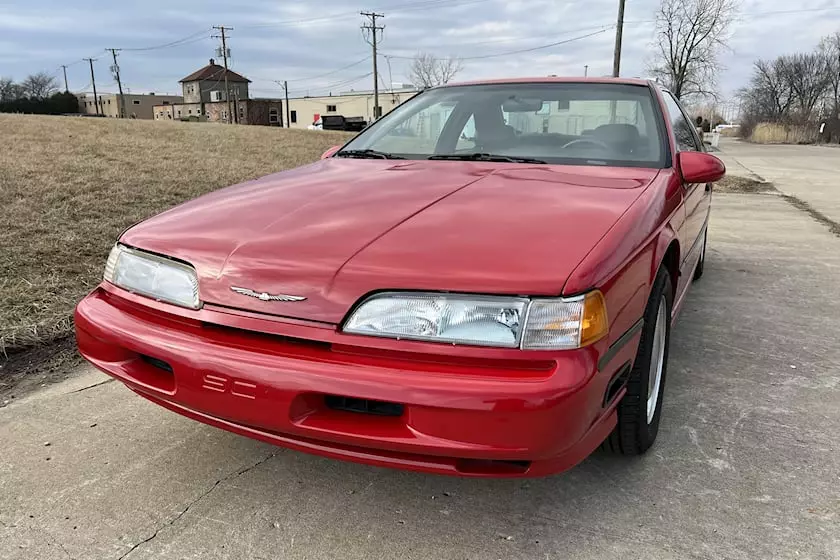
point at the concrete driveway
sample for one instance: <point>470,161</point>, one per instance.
<point>810,173</point>
<point>747,464</point>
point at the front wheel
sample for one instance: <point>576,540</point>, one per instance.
<point>641,408</point>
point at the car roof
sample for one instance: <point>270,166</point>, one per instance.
<point>555,80</point>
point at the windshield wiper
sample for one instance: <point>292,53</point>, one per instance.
<point>367,154</point>
<point>480,156</point>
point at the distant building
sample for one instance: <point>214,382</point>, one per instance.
<point>137,106</point>
<point>205,100</point>
<point>304,111</point>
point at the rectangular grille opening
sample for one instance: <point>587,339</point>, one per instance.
<point>160,364</point>
<point>363,406</point>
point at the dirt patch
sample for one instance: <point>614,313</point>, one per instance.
<point>832,226</point>
<point>24,372</point>
<point>744,185</point>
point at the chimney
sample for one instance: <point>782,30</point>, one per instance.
<point>212,62</point>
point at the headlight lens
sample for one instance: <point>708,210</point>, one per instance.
<point>153,276</point>
<point>506,322</point>
<point>488,321</point>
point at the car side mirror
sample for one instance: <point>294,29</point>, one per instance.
<point>330,152</point>
<point>700,167</point>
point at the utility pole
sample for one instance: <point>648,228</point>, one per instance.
<point>373,28</point>
<point>585,70</point>
<point>66,87</point>
<point>93,83</point>
<point>223,37</point>
<point>288,112</point>
<point>285,85</point>
<point>619,30</point>
<point>116,70</point>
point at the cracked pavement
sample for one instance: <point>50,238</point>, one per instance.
<point>747,464</point>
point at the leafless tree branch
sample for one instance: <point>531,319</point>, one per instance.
<point>689,37</point>
<point>429,71</point>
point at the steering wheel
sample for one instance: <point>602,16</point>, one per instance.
<point>584,141</point>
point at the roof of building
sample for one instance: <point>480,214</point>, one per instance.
<point>214,72</point>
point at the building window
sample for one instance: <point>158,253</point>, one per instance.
<point>331,108</point>
<point>136,101</point>
<point>166,102</point>
<point>179,112</point>
<point>189,112</point>
<point>293,116</point>
<point>109,102</point>
<point>273,116</point>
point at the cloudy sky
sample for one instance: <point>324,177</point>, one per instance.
<point>319,47</point>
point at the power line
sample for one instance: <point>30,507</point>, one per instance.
<point>144,52</point>
<point>519,51</point>
<point>408,6</point>
<point>365,59</point>
<point>176,43</point>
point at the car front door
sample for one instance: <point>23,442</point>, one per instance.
<point>698,197</point>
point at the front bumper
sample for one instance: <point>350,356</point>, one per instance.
<point>464,411</point>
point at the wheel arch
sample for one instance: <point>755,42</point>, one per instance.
<point>667,254</point>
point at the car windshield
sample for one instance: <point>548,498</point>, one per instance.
<point>582,123</point>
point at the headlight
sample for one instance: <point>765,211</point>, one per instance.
<point>153,276</point>
<point>507,322</point>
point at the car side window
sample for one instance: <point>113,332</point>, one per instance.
<point>466,140</point>
<point>683,129</point>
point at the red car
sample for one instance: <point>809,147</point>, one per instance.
<point>482,283</point>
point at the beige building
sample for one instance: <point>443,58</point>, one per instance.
<point>137,106</point>
<point>304,111</point>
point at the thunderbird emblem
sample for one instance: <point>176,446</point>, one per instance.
<point>265,296</point>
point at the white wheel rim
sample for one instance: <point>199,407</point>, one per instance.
<point>657,361</point>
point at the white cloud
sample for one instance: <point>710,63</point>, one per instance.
<point>297,39</point>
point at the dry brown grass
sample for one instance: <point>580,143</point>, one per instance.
<point>69,186</point>
<point>771,133</point>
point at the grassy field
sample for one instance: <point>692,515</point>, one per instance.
<point>69,186</point>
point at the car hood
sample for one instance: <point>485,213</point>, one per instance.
<point>338,229</point>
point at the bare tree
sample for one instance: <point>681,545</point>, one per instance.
<point>830,49</point>
<point>429,71</point>
<point>808,79</point>
<point>689,37</point>
<point>9,90</point>
<point>769,95</point>
<point>39,86</point>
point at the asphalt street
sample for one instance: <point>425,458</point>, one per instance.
<point>747,464</point>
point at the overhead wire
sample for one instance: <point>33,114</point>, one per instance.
<point>519,51</point>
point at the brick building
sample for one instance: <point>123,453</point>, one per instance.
<point>205,100</point>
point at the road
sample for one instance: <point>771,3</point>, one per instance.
<point>810,173</point>
<point>747,464</point>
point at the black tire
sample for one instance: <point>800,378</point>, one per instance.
<point>634,434</point>
<point>698,271</point>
